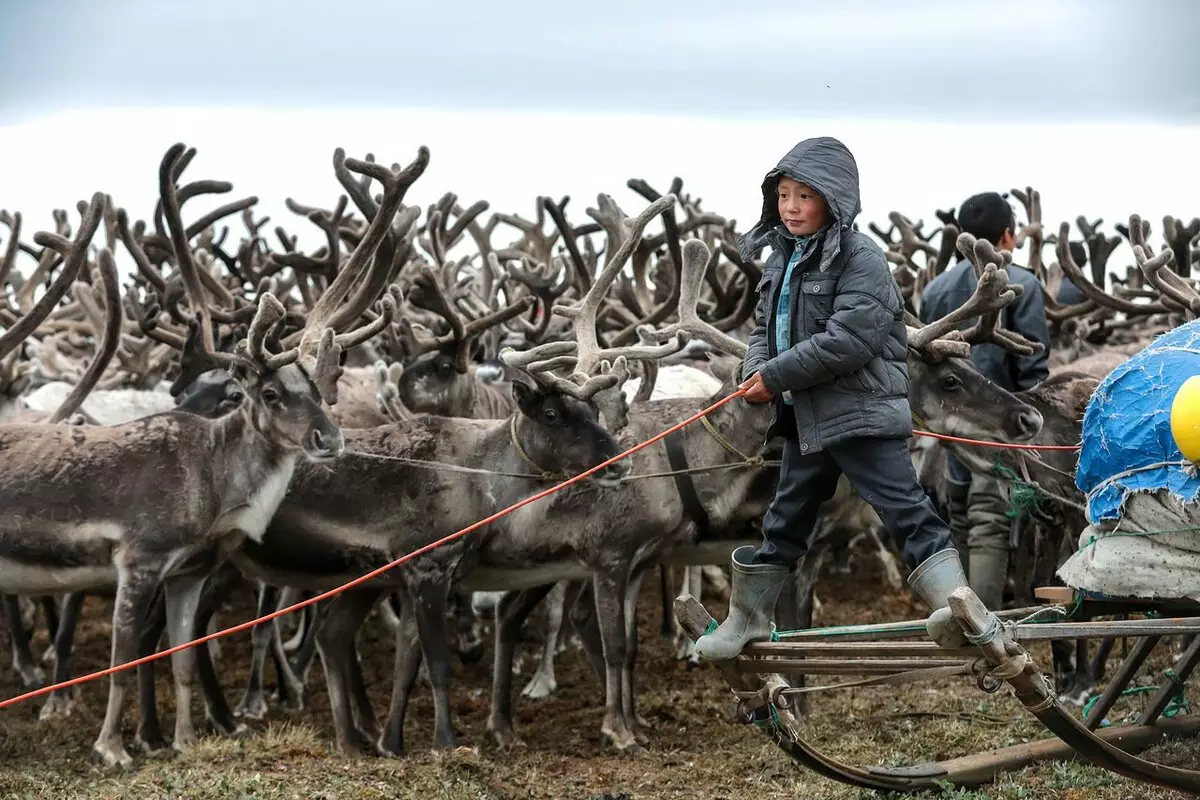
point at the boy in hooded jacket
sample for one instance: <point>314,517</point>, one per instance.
<point>829,350</point>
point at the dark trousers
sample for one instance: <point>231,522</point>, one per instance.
<point>879,470</point>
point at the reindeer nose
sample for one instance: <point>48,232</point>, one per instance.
<point>1029,423</point>
<point>619,469</point>
<point>325,444</point>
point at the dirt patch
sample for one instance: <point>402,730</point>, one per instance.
<point>696,749</point>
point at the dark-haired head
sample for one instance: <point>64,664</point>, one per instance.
<point>989,216</point>
<point>1078,253</point>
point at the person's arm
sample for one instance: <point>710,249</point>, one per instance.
<point>1029,320</point>
<point>756,348</point>
<point>864,310</point>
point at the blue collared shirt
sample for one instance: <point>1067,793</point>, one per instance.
<point>783,328</point>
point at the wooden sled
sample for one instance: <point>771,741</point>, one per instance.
<point>900,652</point>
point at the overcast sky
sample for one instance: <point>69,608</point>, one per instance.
<point>1094,102</point>
<point>1021,60</point>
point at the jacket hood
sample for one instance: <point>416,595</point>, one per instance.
<point>825,164</point>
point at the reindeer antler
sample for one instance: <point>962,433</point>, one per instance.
<point>583,314</point>
<point>1032,230</point>
<point>695,262</point>
<point>427,293</point>
<point>1166,281</point>
<point>942,338</point>
<point>74,255</point>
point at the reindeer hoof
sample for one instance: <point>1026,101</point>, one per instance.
<point>58,704</point>
<point>504,737</point>
<point>357,743</point>
<point>624,742</point>
<point>253,706</point>
<point>150,741</point>
<point>237,730</point>
<point>184,741</point>
<point>386,749</point>
<point>32,677</point>
<point>112,753</point>
<point>293,701</point>
<point>539,687</point>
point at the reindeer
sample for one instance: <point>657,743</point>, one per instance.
<point>106,525</point>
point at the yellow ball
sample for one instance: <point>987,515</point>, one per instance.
<point>1185,418</point>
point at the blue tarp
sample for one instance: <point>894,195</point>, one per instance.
<point>1127,426</point>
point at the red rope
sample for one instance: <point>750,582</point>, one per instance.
<point>445,540</point>
<point>980,443</point>
<point>374,573</point>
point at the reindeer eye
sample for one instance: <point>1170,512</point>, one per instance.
<point>270,395</point>
<point>235,397</point>
<point>951,383</point>
<point>550,415</point>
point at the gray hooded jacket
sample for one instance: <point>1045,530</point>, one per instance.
<point>848,368</point>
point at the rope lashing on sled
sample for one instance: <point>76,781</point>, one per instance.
<point>1119,534</point>
<point>375,572</point>
<point>1177,705</point>
<point>1024,499</point>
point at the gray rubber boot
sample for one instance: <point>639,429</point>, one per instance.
<point>989,575</point>
<point>755,588</point>
<point>933,580</point>
<point>959,510</point>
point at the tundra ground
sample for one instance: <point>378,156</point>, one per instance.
<point>696,750</point>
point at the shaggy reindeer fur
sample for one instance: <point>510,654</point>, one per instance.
<point>338,524</point>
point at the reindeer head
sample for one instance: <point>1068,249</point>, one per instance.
<point>437,377</point>
<point>213,394</point>
<point>557,424</point>
<point>946,392</point>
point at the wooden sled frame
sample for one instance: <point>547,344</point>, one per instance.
<point>900,652</point>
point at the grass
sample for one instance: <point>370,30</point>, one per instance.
<point>696,750</point>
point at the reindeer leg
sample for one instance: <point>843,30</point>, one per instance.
<point>693,584</point>
<point>49,604</point>
<point>470,637</point>
<point>669,628</point>
<point>60,701</point>
<point>216,707</point>
<point>334,635</point>
<point>135,588</point>
<point>610,587</point>
<point>183,604</point>
<point>291,596</point>
<point>404,678</point>
<point>254,704</point>
<point>514,608</point>
<point>635,723</point>
<point>149,733</point>
<point>583,620</point>
<point>356,686</point>
<point>429,599</point>
<point>24,663</point>
<point>289,690</point>
<point>543,682</point>
<point>303,655</point>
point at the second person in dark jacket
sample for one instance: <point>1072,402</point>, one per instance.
<point>979,504</point>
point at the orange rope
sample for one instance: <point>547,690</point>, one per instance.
<point>374,573</point>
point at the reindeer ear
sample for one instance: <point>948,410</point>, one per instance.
<point>527,397</point>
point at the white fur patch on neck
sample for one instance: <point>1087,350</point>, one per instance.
<point>252,518</point>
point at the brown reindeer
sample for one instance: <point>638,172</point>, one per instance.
<point>83,503</point>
